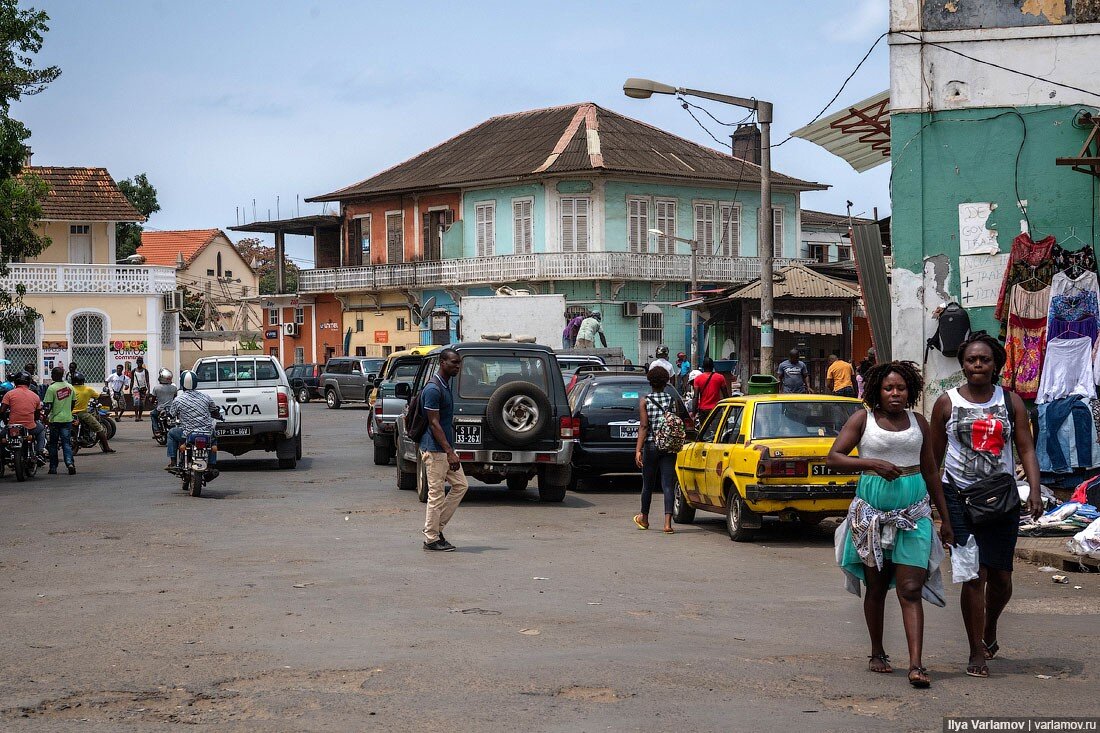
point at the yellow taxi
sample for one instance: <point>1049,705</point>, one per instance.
<point>764,455</point>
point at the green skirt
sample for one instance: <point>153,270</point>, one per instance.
<point>912,547</point>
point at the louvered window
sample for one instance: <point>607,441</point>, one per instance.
<point>362,233</point>
<point>704,227</point>
<point>395,238</point>
<point>485,223</point>
<point>665,211</point>
<point>433,225</point>
<point>777,230</point>
<point>638,225</point>
<point>522,226</point>
<point>730,230</point>
<point>574,224</point>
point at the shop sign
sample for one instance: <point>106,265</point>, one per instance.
<point>381,337</point>
<point>54,353</point>
<point>271,333</point>
<point>126,352</point>
<point>329,326</point>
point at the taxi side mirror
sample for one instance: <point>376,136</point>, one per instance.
<point>403,390</point>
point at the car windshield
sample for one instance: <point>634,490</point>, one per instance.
<point>481,374</point>
<point>800,419</point>
<point>372,366</point>
<point>615,397</point>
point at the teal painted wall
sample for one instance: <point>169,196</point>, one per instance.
<point>971,155</point>
<point>616,194</point>
<point>452,241</point>
<point>505,233</point>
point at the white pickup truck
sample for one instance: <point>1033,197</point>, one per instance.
<point>259,406</point>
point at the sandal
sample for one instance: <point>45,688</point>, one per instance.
<point>922,680</point>
<point>641,524</point>
<point>885,659</point>
<point>991,649</point>
<point>977,670</point>
<point>669,530</point>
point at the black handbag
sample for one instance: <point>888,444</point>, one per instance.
<point>989,500</point>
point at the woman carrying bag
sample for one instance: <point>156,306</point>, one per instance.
<point>974,428</point>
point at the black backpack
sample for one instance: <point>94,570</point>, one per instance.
<point>416,421</point>
<point>953,330</point>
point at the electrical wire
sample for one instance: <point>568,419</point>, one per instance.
<point>708,113</point>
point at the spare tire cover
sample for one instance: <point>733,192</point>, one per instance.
<point>518,413</point>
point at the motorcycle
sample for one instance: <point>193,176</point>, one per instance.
<point>83,438</point>
<point>18,450</point>
<point>160,428</point>
<point>195,470</point>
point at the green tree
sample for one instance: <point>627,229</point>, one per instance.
<point>21,35</point>
<point>262,259</point>
<point>143,196</point>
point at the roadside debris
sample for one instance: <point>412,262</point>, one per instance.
<point>1059,579</point>
<point>530,632</point>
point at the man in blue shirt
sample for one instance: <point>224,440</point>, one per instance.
<point>441,464</point>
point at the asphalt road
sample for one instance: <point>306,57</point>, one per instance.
<point>302,600</point>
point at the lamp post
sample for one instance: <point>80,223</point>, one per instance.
<point>644,89</point>
<point>694,285</point>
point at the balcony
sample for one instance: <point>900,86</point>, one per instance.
<point>532,268</point>
<point>108,279</point>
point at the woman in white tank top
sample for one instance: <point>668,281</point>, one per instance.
<point>889,538</point>
<point>974,429</point>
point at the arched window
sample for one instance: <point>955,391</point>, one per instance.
<point>22,350</point>
<point>89,346</point>
<point>219,264</point>
<point>651,330</point>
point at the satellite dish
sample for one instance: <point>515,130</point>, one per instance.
<point>428,307</point>
<point>414,311</point>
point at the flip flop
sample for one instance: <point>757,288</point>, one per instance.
<point>922,681</point>
<point>670,530</point>
<point>977,670</point>
<point>991,649</point>
<point>638,521</point>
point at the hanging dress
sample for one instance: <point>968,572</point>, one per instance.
<point>1025,340</point>
<point>1027,260</point>
<point>1064,259</point>
<point>1074,305</point>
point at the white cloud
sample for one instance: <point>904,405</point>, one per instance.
<point>869,17</point>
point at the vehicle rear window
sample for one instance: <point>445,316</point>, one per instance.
<point>482,374</point>
<point>236,370</point>
<point>615,397</point>
<point>801,419</point>
<point>372,366</point>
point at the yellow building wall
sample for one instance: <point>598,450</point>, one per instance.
<point>58,232</point>
<point>195,276</point>
<point>375,326</point>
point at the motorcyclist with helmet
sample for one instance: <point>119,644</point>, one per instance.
<point>22,406</point>
<point>196,412</point>
<point>83,412</point>
<point>662,360</point>
<point>163,394</point>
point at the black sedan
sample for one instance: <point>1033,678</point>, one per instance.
<point>606,403</point>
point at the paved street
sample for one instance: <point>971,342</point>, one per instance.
<point>301,600</point>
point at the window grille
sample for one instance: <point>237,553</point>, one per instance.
<point>651,329</point>
<point>168,330</point>
<point>89,346</point>
<point>21,350</point>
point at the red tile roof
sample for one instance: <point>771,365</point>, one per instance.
<point>574,139</point>
<point>82,194</point>
<point>164,248</point>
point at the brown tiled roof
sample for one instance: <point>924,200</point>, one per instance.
<point>825,220</point>
<point>82,194</point>
<point>800,282</point>
<point>164,248</point>
<point>576,139</point>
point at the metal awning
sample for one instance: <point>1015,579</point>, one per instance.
<point>814,324</point>
<point>301,225</point>
<point>859,133</point>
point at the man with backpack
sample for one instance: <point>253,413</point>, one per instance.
<point>441,463</point>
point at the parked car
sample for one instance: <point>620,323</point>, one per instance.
<point>512,419</point>
<point>305,380</point>
<point>260,410</point>
<point>587,370</point>
<point>765,455</point>
<point>606,406</point>
<point>570,362</point>
<point>401,368</point>
<point>349,379</point>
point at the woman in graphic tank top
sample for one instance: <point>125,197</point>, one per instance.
<point>974,429</point>
<point>898,477</point>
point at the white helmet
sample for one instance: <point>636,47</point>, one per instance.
<point>164,376</point>
<point>188,380</point>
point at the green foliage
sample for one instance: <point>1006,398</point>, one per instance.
<point>139,192</point>
<point>253,250</point>
<point>21,35</point>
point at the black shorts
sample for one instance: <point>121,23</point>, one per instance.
<point>996,541</point>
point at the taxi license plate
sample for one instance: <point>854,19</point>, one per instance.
<point>820,469</point>
<point>628,432</point>
<point>467,434</point>
<point>247,430</point>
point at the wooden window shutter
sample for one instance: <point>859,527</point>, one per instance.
<point>582,224</point>
<point>777,231</point>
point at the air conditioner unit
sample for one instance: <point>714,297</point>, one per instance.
<point>173,301</point>
<point>290,329</point>
<point>631,309</point>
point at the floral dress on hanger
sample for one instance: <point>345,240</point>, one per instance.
<point>1030,267</point>
<point>1025,341</point>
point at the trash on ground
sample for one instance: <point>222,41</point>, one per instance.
<point>1059,579</point>
<point>302,585</point>
<point>1043,677</point>
<point>538,578</point>
<point>1048,569</point>
<point>530,632</point>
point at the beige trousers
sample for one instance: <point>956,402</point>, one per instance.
<point>441,506</point>
<point>584,344</point>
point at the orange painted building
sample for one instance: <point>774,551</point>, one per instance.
<point>406,228</point>
<point>302,329</point>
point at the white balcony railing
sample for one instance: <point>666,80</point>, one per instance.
<point>111,279</point>
<point>534,267</point>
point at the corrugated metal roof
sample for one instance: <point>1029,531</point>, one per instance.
<point>578,138</point>
<point>799,282</point>
<point>863,148</point>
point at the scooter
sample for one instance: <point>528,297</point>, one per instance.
<point>195,469</point>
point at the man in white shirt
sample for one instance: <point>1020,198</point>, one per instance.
<point>662,360</point>
<point>140,380</point>
<point>116,383</point>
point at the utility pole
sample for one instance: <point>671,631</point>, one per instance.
<point>694,359</point>
<point>767,242</point>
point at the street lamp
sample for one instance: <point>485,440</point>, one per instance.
<point>644,89</point>
<point>694,284</point>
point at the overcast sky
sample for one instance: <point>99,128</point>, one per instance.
<point>222,103</point>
